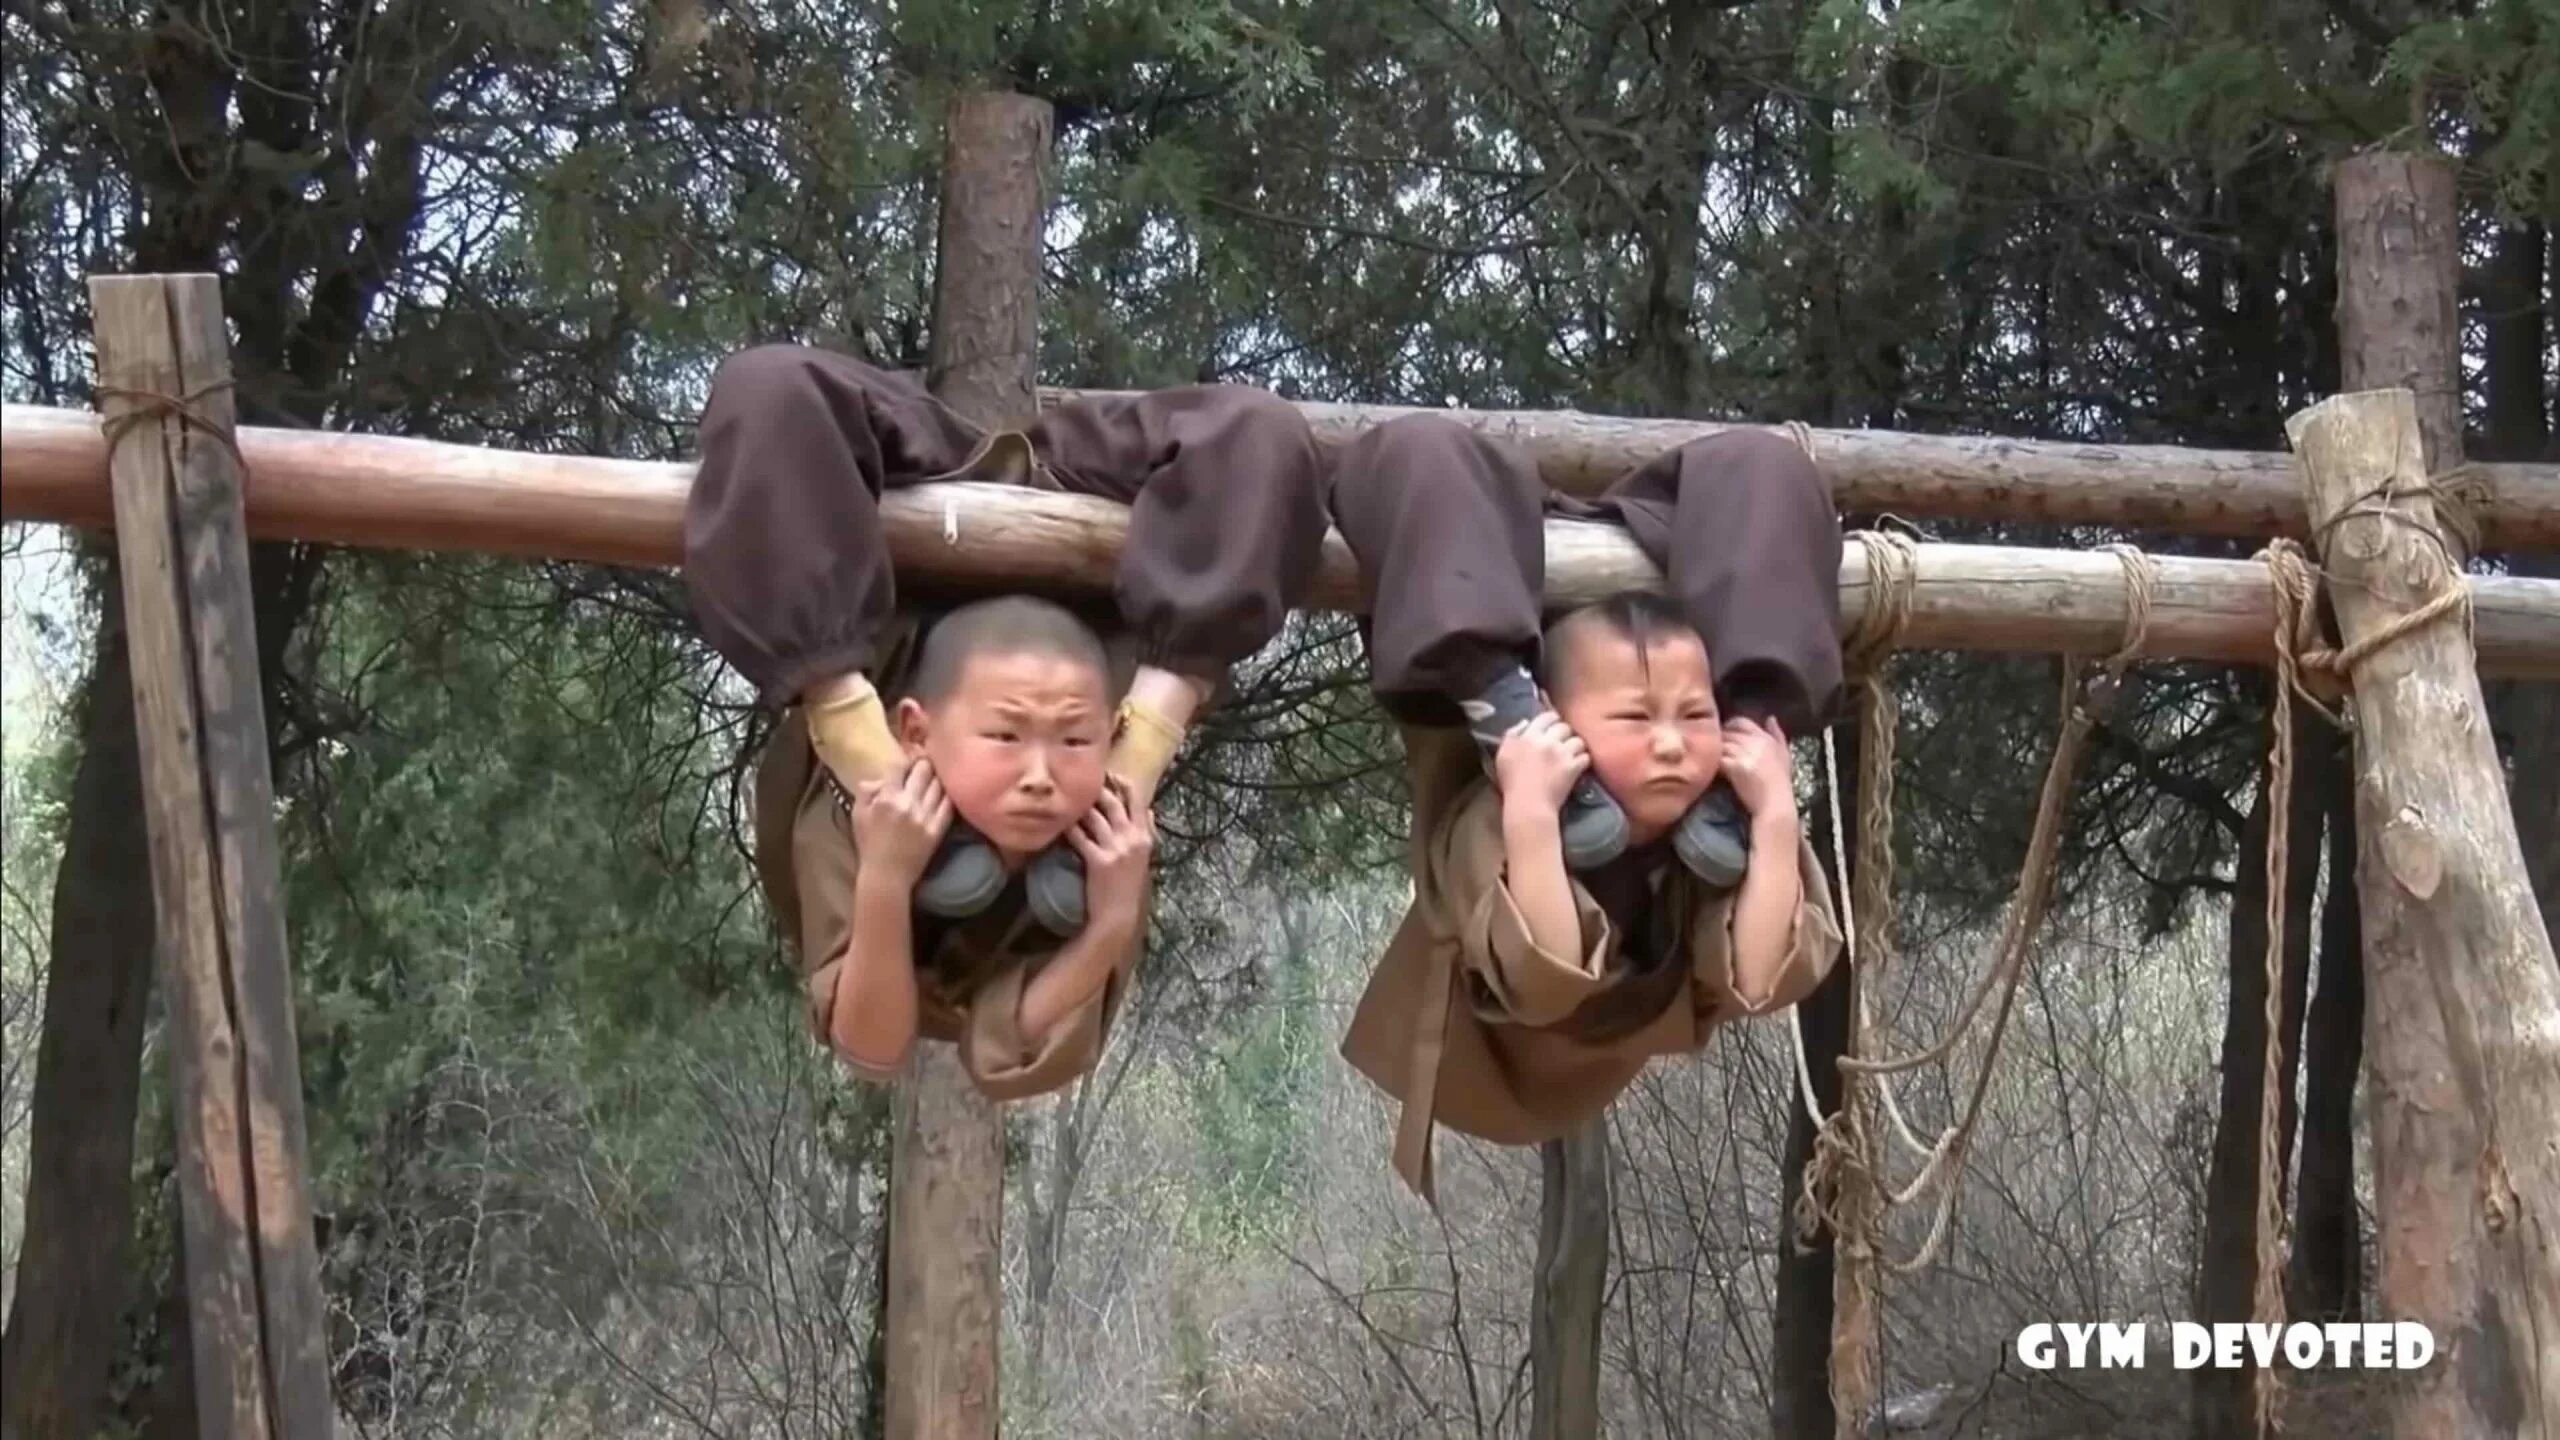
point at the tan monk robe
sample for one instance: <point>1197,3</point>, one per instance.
<point>1469,1023</point>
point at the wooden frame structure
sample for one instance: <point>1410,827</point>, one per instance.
<point>2443,874</point>
<point>380,492</point>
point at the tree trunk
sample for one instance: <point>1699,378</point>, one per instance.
<point>946,1248</point>
<point>73,1283</point>
<point>875,1336</point>
<point>2462,991</point>
<point>1572,1283</point>
<point>1800,1345</point>
<point>1665,355</point>
<point>2519,388</point>
<point>2326,1281</point>
<point>167,1409</point>
<point>64,1330</point>
<point>2228,1260</point>
<point>2526,716</point>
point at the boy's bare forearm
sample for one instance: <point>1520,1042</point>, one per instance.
<point>875,1009</point>
<point>1765,906</point>
<point>1533,852</point>
<point>1080,971</point>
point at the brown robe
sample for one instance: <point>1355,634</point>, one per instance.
<point>1469,1023</point>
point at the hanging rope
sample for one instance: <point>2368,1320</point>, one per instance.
<point>1844,1160</point>
<point>2289,574</point>
<point>2023,919</point>
<point>1846,1164</point>
<point>1892,571</point>
<point>1892,563</point>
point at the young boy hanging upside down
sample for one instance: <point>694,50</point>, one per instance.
<point>954,820</point>
<point>1632,873</point>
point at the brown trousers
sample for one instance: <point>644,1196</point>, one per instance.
<point>1447,525</point>
<point>791,581</point>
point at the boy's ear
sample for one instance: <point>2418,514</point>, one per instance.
<point>913,724</point>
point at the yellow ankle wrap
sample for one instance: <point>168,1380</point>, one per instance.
<point>849,729</point>
<point>1142,746</point>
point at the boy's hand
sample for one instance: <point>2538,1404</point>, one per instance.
<point>898,820</point>
<point>1539,761</point>
<point>1757,764</point>
<point>1118,845</point>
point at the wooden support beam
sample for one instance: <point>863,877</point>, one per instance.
<point>946,1255</point>
<point>414,494</point>
<point>2451,930</point>
<point>2245,493</point>
<point>253,1276</point>
<point>421,495</point>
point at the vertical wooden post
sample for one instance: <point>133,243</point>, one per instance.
<point>2463,1024</point>
<point>2466,1054</point>
<point>253,1277</point>
<point>1572,1283</point>
<point>946,1209</point>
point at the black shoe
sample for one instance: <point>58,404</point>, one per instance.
<point>1714,838</point>
<point>1593,827</point>
<point>1054,887</point>
<point>964,877</point>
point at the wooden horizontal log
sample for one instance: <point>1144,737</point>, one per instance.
<point>422,495</point>
<point>1975,477</point>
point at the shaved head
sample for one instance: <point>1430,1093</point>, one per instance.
<point>1638,617</point>
<point>1006,625</point>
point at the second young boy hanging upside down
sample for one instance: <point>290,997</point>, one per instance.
<point>1632,872</point>
<point>954,817</point>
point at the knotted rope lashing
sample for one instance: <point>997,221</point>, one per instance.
<point>153,404</point>
<point>2456,494</point>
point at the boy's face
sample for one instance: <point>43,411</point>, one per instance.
<point>1018,745</point>
<point>1648,718</point>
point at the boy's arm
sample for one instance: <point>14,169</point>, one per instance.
<point>1766,908</point>
<point>1533,941</point>
<point>1117,844</point>
<point>1535,768</point>
<point>1779,935</point>
<point>866,930</point>
<point>1068,983</point>
<point>1534,873</point>
<point>872,1023</point>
